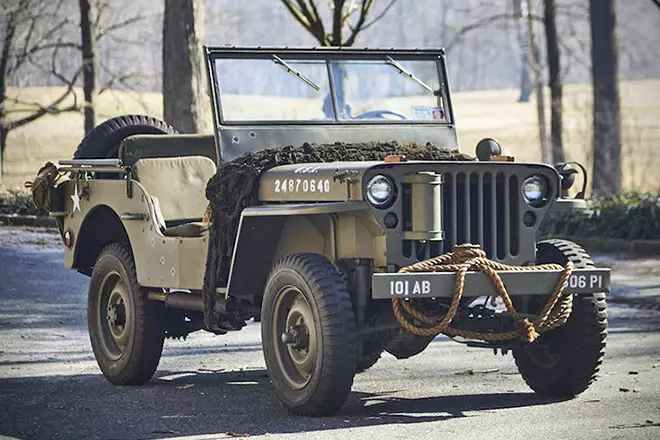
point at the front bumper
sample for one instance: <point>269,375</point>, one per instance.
<point>443,284</point>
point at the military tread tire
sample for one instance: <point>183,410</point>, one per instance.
<point>579,345</point>
<point>309,281</point>
<point>103,141</point>
<point>128,354</point>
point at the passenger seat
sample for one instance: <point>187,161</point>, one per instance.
<point>177,186</point>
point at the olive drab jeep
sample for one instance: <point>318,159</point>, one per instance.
<point>333,205</point>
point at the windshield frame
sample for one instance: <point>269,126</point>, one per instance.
<point>328,55</point>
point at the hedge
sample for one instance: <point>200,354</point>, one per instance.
<point>17,201</point>
<point>628,216</point>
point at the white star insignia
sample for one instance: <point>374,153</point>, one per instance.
<point>76,198</point>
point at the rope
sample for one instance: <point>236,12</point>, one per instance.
<point>464,258</point>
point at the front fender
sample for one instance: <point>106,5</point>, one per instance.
<point>266,233</point>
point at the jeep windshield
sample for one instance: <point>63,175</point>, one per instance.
<point>329,87</point>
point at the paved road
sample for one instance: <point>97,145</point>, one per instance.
<point>210,386</point>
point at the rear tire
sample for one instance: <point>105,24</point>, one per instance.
<point>103,141</point>
<point>564,362</point>
<point>309,335</point>
<point>125,327</point>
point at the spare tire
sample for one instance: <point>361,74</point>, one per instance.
<point>104,140</point>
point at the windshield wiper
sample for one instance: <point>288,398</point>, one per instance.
<point>407,73</point>
<point>295,72</point>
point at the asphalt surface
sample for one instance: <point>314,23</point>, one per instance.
<point>216,386</point>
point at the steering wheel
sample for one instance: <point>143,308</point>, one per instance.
<point>379,114</point>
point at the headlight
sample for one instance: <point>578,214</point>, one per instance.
<point>380,191</point>
<point>535,190</point>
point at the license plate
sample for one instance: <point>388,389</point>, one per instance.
<point>443,284</point>
<point>584,281</point>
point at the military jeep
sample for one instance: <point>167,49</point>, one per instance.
<point>336,259</point>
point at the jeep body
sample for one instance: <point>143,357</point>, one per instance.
<point>150,195</point>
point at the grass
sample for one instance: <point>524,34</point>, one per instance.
<point>479,114</point>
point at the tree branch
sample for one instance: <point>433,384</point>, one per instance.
<point>380,15</point>
<point>117,78</point>
<point>52,108</point>
<point>116,26</point>
<point>309,19</point>
<point>481,23</point>
<point>364,11</point>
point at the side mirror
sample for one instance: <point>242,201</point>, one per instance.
<point>487,148</point>
<point>567,172</point>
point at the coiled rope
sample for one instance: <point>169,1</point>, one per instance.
<point>464,258</point>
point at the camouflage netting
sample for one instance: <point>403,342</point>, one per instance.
<point>236,186</point>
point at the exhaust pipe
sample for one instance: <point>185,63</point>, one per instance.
<point>194,303</point>
<point>187,301</point>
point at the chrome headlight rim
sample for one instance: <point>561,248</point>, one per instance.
<point>380,202</point>
<point>542,190</point>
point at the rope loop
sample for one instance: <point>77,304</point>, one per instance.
<point>470,257</point>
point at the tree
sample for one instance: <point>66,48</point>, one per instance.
<point>89,61</point>
<point>554,79</point>
<point>306,12</point>
<point>34,37</point>
<point>523,42</point>
<point>546,154</point>
<point>606,106</point>
<point>184,80</point>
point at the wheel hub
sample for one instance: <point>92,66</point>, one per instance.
<point>114,316</point>
<point>295,337</point>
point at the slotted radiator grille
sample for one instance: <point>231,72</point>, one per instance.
<point>482,208</point>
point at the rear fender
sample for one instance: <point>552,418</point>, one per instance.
<point>108,215</point>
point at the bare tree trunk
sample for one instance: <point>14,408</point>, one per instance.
<point>3,144</point>
<point>523,45</point>
<point>184,79</point>
<point>607,117</point>
<point>546,153</point>
<point>447,5</point>
<point>554,80</point>
<point>90,61</point>
<point>4,66</point>
<point>337,23</point>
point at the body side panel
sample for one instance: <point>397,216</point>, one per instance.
<point>160,261</point>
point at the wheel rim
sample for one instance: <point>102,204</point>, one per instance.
<point>115,316</point>
<point>294,337</point>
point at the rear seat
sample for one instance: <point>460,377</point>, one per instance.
<point>177,186</point>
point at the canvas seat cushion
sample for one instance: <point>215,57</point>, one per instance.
<point>177,186</point>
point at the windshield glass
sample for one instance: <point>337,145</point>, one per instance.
<point>379,90</point>
<point>280,89</point>
<point>264,90</point>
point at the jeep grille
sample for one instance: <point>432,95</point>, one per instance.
<point>479,203</point>
<point>482,208</point>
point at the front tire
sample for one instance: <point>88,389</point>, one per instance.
<point>125,328</point>
<point>562,363</point>
<point>309,335</point>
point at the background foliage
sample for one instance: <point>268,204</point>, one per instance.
<point>629,216</point>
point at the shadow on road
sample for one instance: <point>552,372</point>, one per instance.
<point>206,403</point>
